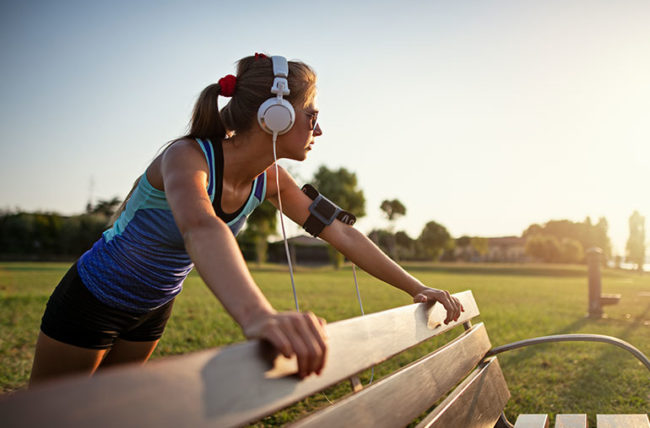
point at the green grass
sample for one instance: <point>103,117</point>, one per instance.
<point>516,302</point>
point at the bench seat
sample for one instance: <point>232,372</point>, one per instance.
<point>240,384</point>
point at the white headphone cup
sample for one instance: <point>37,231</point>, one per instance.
<point>276,116</point>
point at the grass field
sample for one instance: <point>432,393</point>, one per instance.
<point>516,302</point>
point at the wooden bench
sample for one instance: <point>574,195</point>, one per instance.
<point>239,384</point>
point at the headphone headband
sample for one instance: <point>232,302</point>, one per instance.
<point>280,66</point>
<point>280,71</point>
<point>276,115</point>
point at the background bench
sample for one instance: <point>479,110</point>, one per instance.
<point>239,384</point>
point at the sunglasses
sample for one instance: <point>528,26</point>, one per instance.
<point>313,120</point>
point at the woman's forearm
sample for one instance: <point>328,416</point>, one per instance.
<point>364,253</point>
<point>220,263</point>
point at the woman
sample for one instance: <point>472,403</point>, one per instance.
<point>184,211</point>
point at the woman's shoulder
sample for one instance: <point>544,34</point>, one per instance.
<point>183,144</point>
<point>180,154</point>
<point>181,149</point>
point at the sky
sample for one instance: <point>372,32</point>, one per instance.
<point>484,116</point>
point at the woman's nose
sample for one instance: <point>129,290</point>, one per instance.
<point>318,131</point>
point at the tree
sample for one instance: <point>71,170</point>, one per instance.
<point>571,251</point>
<point>586,233</point>
<point>340,186</point>
<point>261,224</point>
<point>392,209</point>
<point>404,245</point>
<point>105,207</point>
<point>464,248</point>
<point>636,242</point>
<point>382,238</point>
<point>480,245</point>
<point>48,235</point>
<point>601,239</point>
<point>543,247</point>
<point>435,239</point>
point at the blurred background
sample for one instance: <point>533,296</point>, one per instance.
<point>485,118</point>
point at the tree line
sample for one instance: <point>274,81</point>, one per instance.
<point>51,236</point>
<point>47,235</point>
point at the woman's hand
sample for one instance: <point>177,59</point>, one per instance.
<point>451,304</point>
<point>294,333</point>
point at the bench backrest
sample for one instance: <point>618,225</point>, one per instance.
<point>238,384</point>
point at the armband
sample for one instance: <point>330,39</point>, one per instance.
<point>322,212</point>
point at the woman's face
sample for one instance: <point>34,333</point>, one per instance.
<point>299,140</point>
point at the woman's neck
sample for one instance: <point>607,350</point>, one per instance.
<point>246,156</point>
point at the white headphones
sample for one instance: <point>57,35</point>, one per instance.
<point>276,115</point>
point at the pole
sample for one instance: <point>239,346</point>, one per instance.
<point>594,256</point>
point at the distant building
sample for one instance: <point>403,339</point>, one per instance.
<point>505,249</point>
<point>305,250</point>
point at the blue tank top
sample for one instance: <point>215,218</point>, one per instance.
<point>140,263</point>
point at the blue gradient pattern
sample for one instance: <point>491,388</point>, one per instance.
<point>140,263</point>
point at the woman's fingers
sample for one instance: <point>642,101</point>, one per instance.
<point>300,348</point>
<point>451,304</point>
<point>316,325</point>
<point>448,303</point>
<point>311,359</point>
<point>299,334</point>
<point>280,341</point>
<point>453,311</point>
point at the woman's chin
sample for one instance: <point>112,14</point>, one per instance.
<point>298,156</point>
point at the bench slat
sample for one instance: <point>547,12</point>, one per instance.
<point>571,421</point>
<point>476,403</point>
<point>184,390</point>
<point>622,421</point>
<point>532,421</point>
<point>418,386</point>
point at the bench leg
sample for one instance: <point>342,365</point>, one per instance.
<point>356,384</point>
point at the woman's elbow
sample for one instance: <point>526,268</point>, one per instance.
<point>201,226</point>
<point>341,236</point>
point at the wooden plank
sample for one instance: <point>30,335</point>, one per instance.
<point>417,387</point>
<point>224,387</point>
<point>476,403</point>
<point>571,421</point>
<point>622,421</point>
<point>532,421</point>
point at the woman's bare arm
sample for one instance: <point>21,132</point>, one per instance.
<point>218,259</point>
<point>358,248</point>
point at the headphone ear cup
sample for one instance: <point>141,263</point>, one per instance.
<point>276,115</point>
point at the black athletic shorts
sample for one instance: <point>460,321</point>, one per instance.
<point>74,316</point>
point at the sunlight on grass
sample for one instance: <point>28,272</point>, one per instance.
<point>516,302</point>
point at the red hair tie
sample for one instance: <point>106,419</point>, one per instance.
<point>260,56</point>
<point>227,84</point>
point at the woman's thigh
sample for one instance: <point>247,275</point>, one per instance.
<point>126,351</point>
<point>54,359</point>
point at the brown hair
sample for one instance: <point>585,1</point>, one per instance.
<point>254,81</point>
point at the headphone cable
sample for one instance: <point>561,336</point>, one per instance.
<point>286,249</point>
<point>284,233</point>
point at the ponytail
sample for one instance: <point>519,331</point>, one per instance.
<point>206,123</point>
<point>206,120</point>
